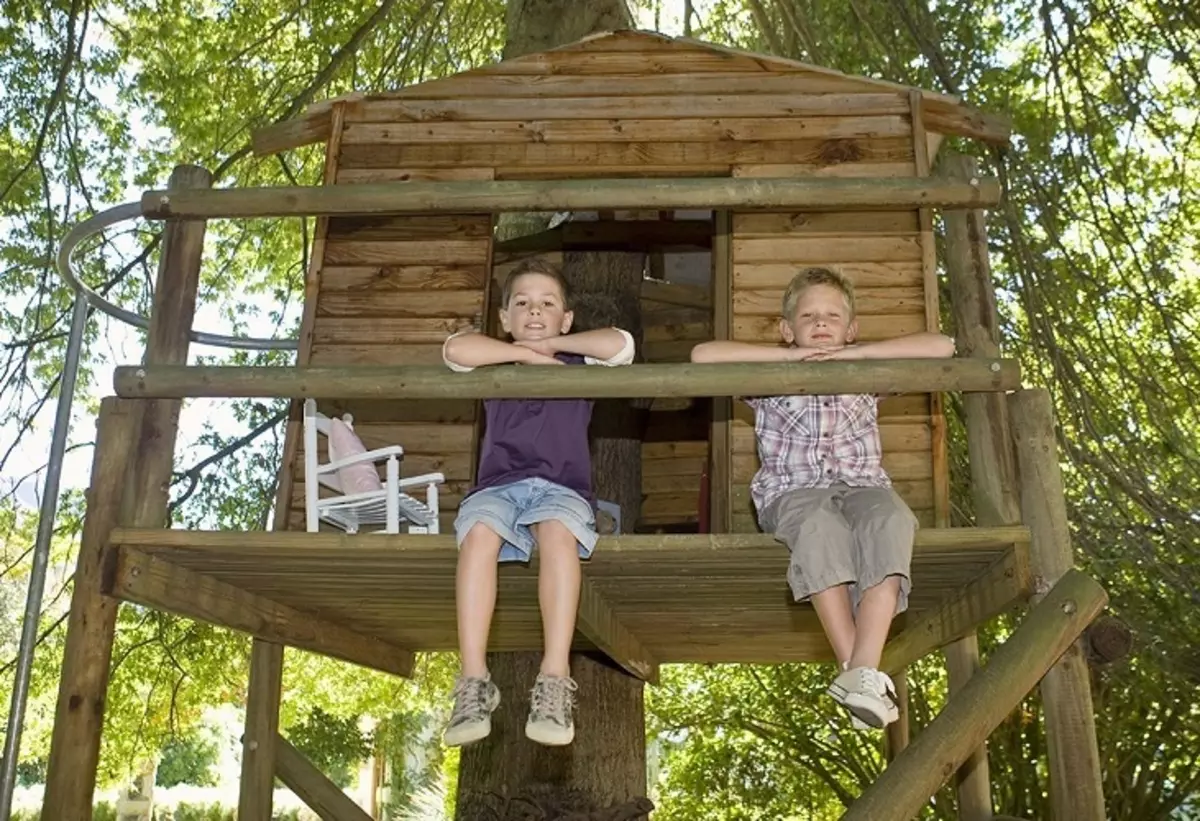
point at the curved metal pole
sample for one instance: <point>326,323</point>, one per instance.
<point>41,556</point>
<point>111,216</point>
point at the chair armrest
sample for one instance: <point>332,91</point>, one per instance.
<point>423,479</point>
<point>370,456</point>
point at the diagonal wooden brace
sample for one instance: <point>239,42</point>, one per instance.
<point>598,622</point>
<point>311,785</point>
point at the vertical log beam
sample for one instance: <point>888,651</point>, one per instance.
<point>720,443</point>
<point>256,787</point>
<point>255,795</point>
<point>898,733</point>
<point>83,685</point>
<point>138,488</point>
<point>1075,785</point>
<point>171,314</point>
<point>972,781</point>
<point>993,475</point>
<point>896,736</point>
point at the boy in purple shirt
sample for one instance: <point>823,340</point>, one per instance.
<point>534,490</point>
<point>822,490</point>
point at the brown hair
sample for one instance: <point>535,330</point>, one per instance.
<point>535,266</point>
<point>816,276</point>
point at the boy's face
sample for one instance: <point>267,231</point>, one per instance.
<point>535,309</point>
<point>821,320</point>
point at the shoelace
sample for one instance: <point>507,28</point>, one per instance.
<point>470,695</point>
<point>553,696</point>
<point>881,684</point>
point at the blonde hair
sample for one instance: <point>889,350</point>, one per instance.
<point>535,266</point>
<point>816,276</point>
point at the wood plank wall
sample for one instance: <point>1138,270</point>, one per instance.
<point>629,107</point>
<point>390,290</point>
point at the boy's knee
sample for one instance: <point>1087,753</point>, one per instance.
<point>481,538</point>
<point>554,535</point>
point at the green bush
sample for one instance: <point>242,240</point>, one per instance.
<point>188,760</point>
<point>335,746</point>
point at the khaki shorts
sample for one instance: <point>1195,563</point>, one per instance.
<point>843,535</point>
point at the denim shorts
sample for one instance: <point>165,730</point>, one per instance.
<point>509,510</point>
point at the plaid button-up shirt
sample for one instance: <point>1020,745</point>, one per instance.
<point>815,441</point>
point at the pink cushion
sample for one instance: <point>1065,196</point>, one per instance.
<point>344,443</point>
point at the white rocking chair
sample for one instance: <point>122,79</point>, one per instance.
<point>389,506</point>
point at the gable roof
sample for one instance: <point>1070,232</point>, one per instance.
<point>942,113</point>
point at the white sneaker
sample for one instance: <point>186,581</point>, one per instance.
<point>474,701</point>
<point>550,720</point>
<point>868,694</point>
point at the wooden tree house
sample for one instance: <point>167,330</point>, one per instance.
<point>729,169</point>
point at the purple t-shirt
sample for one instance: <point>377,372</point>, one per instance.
<point>537,438</point>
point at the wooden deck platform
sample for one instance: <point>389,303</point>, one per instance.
<point>373,599</point>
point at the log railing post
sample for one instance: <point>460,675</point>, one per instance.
<point>174,306</point>
<point>993,477</point>
<point>135,481</point>
<point>1076,790</point>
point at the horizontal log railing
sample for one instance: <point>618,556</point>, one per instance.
<point>507,382</point>
<point>821,194</point>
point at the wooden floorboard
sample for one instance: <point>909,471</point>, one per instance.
<point>685,598</point>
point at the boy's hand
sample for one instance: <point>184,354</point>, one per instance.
<point>542,347</point>
<point>535,357</point>
<point>804,354</point>
<point>832,354</point>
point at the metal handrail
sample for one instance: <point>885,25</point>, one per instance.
<point>98,222</point>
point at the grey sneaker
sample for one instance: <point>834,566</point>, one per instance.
<point>868,694</point>
<point>550,720</point>
<point>474,701</point>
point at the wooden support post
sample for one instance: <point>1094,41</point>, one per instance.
<point>260,738</point>
<point>322,796</point>
<point>174,306</point>
<point>972,783</point>
<point>1075,785</point>
<point>83,684</point>
<point>599,624</point>
<point>971,715</point>
<point>720,445</point>
<point>993,476</point>
<point>476,196</point>
<point>896,736</point>
<point>144,481</point>
<point>516,381</point>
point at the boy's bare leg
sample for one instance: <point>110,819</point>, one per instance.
<point>875,612</point>
<point>837,618</point>
<point>558,593</point>
<point>475,596</point>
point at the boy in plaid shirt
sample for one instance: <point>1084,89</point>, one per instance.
<point>822,490</point>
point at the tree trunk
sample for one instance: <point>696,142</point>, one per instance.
<point>602,775</point>
<point>539,25</point>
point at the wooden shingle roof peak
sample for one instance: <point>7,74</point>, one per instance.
<point>943,113</point>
